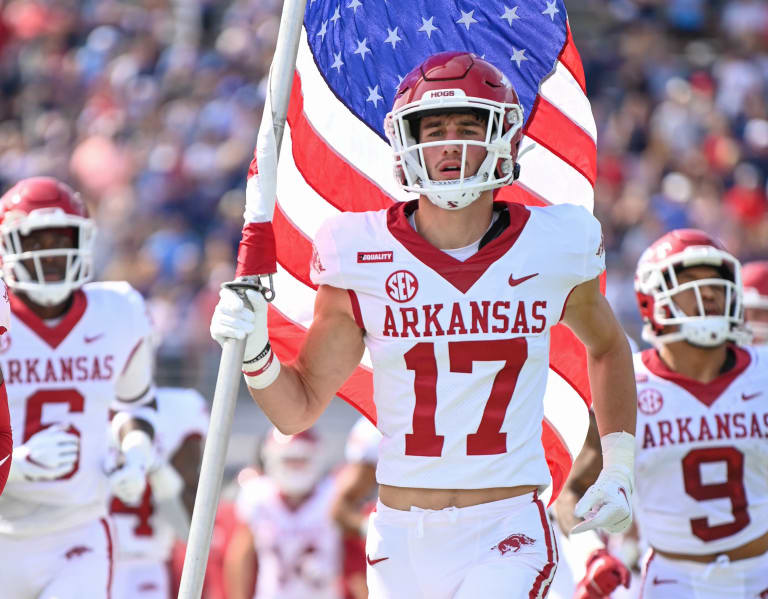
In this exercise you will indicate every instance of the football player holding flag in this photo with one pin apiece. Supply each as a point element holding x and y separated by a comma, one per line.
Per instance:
<point>702,460</point>
<point>77,350</point>
<point>454,295</point>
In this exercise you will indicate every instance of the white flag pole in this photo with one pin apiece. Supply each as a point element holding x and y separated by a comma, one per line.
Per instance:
<point>228,381</point>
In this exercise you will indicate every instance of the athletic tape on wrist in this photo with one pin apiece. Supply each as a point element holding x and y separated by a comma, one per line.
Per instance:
<point>261,355</point>
<point>261,371</point>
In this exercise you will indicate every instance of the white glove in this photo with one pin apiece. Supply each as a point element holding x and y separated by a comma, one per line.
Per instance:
<point>166,482</point>
<point>47,455</point>
<point>129,480</point>
<point>607,503</point>
<point>233,320</point>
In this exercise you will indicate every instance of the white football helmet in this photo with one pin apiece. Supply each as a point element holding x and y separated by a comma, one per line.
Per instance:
<point>456,82</point>
<point>656,285</point>
<point>44,203</point>
<point>294,462</point>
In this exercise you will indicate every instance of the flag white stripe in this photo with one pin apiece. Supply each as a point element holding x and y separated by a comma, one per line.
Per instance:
<point>571,429</point>
<point>548,176</point>
<point>563,91</point>
<point>293,298</point>
<point>306,209</point>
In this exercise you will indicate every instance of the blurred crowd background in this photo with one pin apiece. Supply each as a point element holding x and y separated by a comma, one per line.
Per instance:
<point>151,108</point>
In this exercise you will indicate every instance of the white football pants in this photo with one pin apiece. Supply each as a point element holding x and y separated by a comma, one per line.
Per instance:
<point>68,564</point>
<point>500,549</point>
<point>722,579</point>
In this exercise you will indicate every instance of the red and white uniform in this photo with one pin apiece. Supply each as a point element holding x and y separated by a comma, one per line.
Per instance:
<point>144,538</point>
<point>298,550</point>
<point>460,350</point>
<point>702,467</point>
<point>72,371</point>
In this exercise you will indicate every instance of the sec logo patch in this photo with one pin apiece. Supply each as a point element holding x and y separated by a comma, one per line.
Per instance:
<point>402,286</point>
<point>649,401</point>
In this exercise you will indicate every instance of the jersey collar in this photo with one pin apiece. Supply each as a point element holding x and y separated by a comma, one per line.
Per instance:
<point>462,275</point>
<point>54,335</point>
<point>706,393</point>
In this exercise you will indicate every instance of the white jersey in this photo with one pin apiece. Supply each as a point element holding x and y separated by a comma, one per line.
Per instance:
<point>460,350</point>
<point>363,443</point>
<point>702,457</point>
<point>298,550</point>
<point>141,532</point>
<point>67,374</point>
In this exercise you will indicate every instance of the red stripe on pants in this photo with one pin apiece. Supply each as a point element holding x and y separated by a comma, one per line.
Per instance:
<point>546,571</point>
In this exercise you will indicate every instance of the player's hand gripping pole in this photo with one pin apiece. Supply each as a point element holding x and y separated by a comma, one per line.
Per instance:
<point>251,259</point>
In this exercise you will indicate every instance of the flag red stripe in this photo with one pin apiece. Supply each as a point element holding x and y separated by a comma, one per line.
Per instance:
<point>571,60</point>
<point>294,248</point>
<point>568,358</point>
<point>564,138</point>
<point>332,177</point>
<point>520,194</point>
<point>558,457</point>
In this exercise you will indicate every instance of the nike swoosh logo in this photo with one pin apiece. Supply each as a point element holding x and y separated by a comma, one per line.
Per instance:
<point>513,282</point>
<point>373,562</point>
<point>664,580</point>
<point>5,459</point>
<point>746,397</point>
<point>92,339</point>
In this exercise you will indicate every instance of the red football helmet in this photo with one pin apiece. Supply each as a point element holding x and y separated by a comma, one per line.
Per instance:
<point>455,82</point>
<point>656,285</point>
<point>294,462</point>
<point>754,276</point>
<point>44,203</point>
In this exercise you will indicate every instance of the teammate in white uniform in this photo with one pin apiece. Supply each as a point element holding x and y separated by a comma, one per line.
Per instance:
<point>454,296</point>
<point>146,532</point>
<point>755,280</point>
<point>286,525</point>
<point>75,352</point>
<point>702,457</point>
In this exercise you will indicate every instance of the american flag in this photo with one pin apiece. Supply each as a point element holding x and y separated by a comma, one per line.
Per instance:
<point>335,157</point>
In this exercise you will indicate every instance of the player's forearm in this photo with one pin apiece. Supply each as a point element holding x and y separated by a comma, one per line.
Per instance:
<point>612,381</point>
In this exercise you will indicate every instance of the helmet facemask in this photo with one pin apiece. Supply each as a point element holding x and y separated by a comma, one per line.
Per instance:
<point>31,281</point>
<point>503,122</point>
<point>660,282</point>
